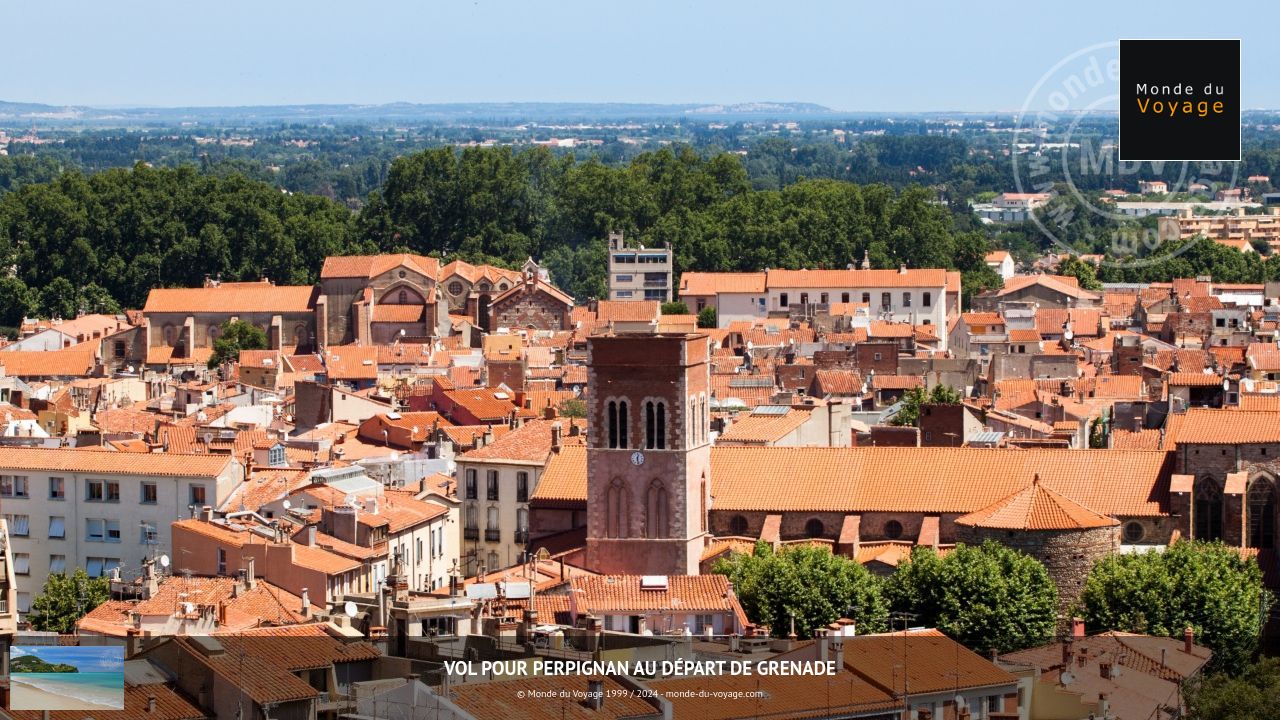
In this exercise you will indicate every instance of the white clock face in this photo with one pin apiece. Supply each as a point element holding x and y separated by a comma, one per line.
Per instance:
<point>637,458</point>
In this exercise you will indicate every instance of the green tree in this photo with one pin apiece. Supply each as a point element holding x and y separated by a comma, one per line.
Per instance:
<point>913,399</point>
<point>573,408</point>
<point>59,299</point>
<point>675,308</point>
<point>1085,272</point>
<point>1208,587</point>
<point>16,301</point>
<point>707,318</point>
<point>1252,695</point>
<point>987,597</point>
<point>807,584</point>
<point>66,598</point>
<point>236,335</point>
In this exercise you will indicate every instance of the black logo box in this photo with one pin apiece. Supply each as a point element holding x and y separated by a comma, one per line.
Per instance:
<point>1189,65</point>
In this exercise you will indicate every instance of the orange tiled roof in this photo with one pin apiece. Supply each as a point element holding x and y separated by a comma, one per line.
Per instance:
<point>1209,426</point>
<point>896,382</point>
<point>531,442</point>
<point>887,479</point>
<point>1065,285</point>
<point>351,362</point>
<point>367,266</point>
<point>1194,379</point>
<point>605,594</point>
<point>84,461</point>
<point>1259,403</point>
<point>628,310</point>
<point>247,297</point>
<point>709,283</point>
<point>982,318</point>
<point>927,277</point>
<point>1024,335</point>
<point>762,429</point>
<point>482,403</point>
<point>881,329</point>
<point>1036,507</point>
<point>75,361</point>
<point>1135,440</point>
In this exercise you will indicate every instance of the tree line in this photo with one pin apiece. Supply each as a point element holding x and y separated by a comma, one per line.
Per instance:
<point>100,242</point>
<point>992,598</point>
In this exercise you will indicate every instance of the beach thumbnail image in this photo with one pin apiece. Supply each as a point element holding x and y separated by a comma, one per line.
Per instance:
<point>45,677</point>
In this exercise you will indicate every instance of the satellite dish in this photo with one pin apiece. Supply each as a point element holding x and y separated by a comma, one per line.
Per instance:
<point>286,504</point>
<point>349,608</point>
<point>1068,334</point>
<point>164,561</point>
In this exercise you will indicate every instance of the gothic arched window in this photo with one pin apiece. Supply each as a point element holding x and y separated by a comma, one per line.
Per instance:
<point>657,515</point>
<point>1208,509</point>
<point>1261,511</point>
<point>616,525</point>
<point>655,425</point>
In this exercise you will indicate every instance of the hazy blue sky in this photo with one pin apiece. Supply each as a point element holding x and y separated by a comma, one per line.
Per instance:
<point>846,55</point>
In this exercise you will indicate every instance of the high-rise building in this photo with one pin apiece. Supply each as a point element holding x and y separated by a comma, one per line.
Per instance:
<point>639,273</point>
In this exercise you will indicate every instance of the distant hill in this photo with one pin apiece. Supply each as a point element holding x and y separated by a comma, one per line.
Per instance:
<point>20,114</point>
<point>33,664</point>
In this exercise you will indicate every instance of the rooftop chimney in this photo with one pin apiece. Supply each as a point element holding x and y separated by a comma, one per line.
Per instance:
<point>311,536</point>
<point>1066,652</point>
<point>1188,639</point>
<point>555,437</point>
<point>206,513</point>
<point>151,703</point>
<point>1077,627</point>
<point>820,636</point>
<point>306,604</point>
<point>250,580</point>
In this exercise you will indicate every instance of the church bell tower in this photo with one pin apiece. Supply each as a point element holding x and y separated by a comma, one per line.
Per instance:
<point>648,453</point>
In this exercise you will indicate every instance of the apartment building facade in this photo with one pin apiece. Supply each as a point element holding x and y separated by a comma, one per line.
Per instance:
<point>69,509</point>
<point>639,273</point>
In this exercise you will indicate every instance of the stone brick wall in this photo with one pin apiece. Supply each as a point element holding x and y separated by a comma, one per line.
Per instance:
<point>1068,555</point>
<point>529,309</point>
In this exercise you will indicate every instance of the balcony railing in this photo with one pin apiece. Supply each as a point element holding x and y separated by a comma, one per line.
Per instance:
<point>492,535</point>
<point>471,533</point>
<point>522,537</point>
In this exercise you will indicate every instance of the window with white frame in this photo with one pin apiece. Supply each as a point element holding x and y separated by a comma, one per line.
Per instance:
<point>19,525</point>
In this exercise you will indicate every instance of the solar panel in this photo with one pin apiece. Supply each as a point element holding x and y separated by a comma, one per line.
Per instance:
<point>482,591</point>
<point>516,590</point>
<point>771,410</point>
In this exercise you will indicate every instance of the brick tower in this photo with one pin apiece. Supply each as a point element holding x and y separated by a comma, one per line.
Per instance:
<point>648,453</point>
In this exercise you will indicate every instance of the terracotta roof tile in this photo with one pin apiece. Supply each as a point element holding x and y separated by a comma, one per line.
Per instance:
<point>367,266</point>
<point>232,298</point>
<point>1036,507</point>
<point>628,311</point>
<point>756,429</point>
<point>606,594</point>
<point>393,313</point>
<point>351,362</point>
<point>84,461</point>
<point>1140,440</point>
<point>707,283</point>
<point>1209,426</point>
<point>886,479</point>
<point>531,442</point>
<point>75,361</point>
<point>784,279</point>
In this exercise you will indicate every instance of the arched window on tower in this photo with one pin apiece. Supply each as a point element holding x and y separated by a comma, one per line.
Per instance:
<point>624,439</point>
<point>1208,509</point>
<point>657,517</point>
<point>616,525</point>
<point>655,425</point>
<point>1262,512</point>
